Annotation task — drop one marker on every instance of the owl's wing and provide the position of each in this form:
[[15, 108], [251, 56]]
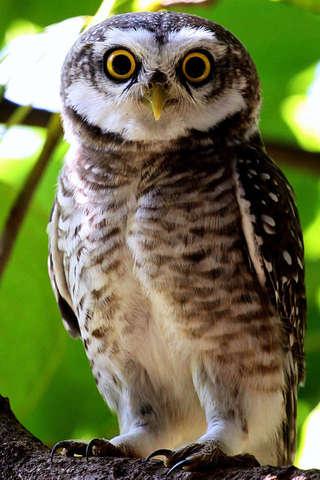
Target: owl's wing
[[274, 242], [57, 276]]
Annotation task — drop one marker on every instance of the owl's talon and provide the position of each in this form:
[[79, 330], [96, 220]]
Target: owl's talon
[[202, 457], [179, 466], [98, 447], [162, 452], [71, 447], [89, 449]]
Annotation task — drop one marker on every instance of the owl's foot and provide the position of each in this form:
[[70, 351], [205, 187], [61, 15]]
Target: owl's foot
[[205, 456], [97, 447], [69, 448]]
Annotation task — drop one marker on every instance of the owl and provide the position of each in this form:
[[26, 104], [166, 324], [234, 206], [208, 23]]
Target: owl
[[176, 252]]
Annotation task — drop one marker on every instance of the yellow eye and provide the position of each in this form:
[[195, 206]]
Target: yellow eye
[[196, 67], [120, 64]]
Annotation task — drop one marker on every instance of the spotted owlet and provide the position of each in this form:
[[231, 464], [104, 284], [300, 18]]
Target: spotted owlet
[[176, 252]]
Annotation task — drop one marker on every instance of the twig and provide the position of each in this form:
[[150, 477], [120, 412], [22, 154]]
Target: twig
[[17, 117], [294, 157], [35, 117], [20, 206]]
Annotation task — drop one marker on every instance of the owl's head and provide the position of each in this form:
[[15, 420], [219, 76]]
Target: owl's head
[[150, 77]]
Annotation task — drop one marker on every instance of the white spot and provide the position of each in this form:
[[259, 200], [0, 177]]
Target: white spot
[[296, 278], [274, 197], [265, 176], [263, 202], [300, 263], [252, 171], [286, 255], [269, 220], [268, 229], [284, 279], [257, 187], [97, 171]]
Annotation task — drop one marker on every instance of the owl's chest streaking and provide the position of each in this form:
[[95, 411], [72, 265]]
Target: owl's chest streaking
[[174, 226], [156, 266]]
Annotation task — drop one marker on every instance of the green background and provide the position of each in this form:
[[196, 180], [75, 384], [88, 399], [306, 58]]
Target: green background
[[44, 371]]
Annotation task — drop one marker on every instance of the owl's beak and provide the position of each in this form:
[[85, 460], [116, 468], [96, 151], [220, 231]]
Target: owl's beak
[[157, 99]]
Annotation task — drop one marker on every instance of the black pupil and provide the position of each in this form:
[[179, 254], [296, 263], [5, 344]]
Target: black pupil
[[195, 67], [121, 64]]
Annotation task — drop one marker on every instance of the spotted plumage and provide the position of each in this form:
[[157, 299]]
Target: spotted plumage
[[175, 246]]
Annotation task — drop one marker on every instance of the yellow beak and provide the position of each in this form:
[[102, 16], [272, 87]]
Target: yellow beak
[[157, 99]]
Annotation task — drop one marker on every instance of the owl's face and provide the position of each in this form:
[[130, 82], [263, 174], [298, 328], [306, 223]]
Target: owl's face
[[158, 77]]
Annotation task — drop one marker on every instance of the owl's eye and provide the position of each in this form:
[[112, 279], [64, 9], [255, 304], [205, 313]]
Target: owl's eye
[[120, 64], [196, 67]]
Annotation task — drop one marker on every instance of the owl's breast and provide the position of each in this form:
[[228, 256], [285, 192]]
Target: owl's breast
[[187, 230], [189, 253]]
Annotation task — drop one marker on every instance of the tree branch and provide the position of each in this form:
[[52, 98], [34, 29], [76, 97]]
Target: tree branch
[[24, 457], [283, 154], [294, 157]]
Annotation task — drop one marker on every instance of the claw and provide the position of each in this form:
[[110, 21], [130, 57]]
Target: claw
[[89, 449], [179, 465], [57, 446], [163, 452], [72, 447]]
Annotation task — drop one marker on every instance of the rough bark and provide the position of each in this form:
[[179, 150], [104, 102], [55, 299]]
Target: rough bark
[[24, 457]]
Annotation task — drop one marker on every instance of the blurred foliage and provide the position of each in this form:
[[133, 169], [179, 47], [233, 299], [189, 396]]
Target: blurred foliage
[[301, 109], [312, 5], [42, 370]]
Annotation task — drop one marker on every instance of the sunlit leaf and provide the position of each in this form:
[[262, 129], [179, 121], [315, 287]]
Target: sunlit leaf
[[311, 239], [301, 110], [20, 27], [31, 68], [30, 140], [309, 453]]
